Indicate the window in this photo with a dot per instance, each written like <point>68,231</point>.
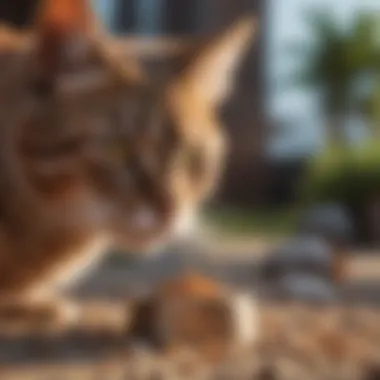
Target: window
<point>149,16</point>
<point>132,16</point>
<point>181,17</point>
<point>125,16</point>
<point>106,8</point>
<point>154,16</point>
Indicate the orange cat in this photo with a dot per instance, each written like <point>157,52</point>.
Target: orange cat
<point>95,156</point>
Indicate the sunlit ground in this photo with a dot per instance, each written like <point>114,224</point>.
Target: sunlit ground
<point>296,341</point>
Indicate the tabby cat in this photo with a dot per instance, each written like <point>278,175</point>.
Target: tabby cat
<point>95,156</point>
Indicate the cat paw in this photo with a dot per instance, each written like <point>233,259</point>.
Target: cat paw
<point>39,313</point>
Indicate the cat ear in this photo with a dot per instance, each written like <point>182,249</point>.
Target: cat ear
<point>209,75</point>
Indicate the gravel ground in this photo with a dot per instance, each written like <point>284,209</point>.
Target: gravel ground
<point>297,341</point>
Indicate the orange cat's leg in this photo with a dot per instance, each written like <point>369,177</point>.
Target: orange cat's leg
<point>44,311</point>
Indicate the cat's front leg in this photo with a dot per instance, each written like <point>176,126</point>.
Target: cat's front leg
<point>43,311</point>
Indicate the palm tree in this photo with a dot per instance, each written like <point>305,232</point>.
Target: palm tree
<point>367,54</point>
<point>376,107</point>
<point>369,108</point>
<point>337,64</point>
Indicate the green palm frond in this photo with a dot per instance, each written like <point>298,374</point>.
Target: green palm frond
<point>363,42</point>
<point>337,59</point>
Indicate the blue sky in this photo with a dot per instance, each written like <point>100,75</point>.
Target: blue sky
<point>298,108</point>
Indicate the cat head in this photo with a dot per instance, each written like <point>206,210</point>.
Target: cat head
<point>153,152</point>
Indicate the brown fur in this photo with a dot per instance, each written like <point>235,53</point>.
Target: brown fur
<point>89,148</point>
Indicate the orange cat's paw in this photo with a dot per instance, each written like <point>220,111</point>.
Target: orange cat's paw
<point>41,313</point>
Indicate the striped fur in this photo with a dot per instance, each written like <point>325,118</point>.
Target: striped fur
<point>95,156</point>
